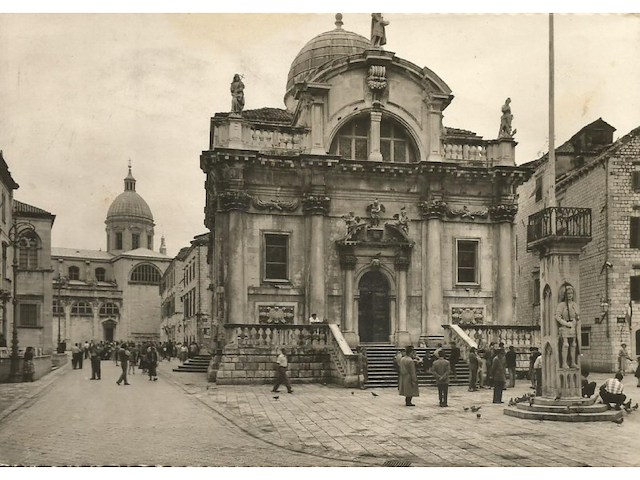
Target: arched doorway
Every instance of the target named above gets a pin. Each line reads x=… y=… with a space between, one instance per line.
x=373 y=307
x=109 y=327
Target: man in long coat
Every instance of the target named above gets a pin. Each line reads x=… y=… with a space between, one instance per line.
x=408 y=385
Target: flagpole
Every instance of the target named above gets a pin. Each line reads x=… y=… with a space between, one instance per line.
x=551 y=167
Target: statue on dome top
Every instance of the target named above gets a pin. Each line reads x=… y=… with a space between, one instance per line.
x=378 y=37
x=505 y=121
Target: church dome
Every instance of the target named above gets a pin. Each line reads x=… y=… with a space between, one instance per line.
x=129 y=203
x=324 y=48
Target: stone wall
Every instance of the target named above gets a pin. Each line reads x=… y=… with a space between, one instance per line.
x=256 y=365
x=42 y=366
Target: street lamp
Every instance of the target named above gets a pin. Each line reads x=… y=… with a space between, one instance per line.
x=15 y=234
x=60 y=280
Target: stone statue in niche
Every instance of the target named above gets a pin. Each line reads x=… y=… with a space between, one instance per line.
x=567 y=316
x=505 y=121
x=375 y=210
x=378 y=36
x=237 y=94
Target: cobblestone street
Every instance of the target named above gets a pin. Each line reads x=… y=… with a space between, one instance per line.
x=184 y=420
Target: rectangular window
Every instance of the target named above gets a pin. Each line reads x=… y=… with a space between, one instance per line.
x=28 y=315
x=135 y=241
x=635 y=181
x=276 y=254
x=362 y=149
x=150 y=242
x=385 y=150
x=118 y=240
x=467 y=261
x=345 y=147
x=635 y=232
x=585 y=338
x=399 y=151
x=635 y=288
x=538 y=189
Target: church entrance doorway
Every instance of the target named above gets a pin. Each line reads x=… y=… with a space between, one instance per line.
x=373 y=308
x=109 y=330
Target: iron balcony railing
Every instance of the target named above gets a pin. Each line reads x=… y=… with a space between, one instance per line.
x=563 y=222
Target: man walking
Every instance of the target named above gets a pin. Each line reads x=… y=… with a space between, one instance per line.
x=94 y=355
x=441 y=370
x=281 y=375
x=123 y=355
x=499 y=376
x=408 y=383
x=510 y=359
x=473 y=369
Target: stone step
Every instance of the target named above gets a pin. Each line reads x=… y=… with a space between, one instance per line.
x=596 y=416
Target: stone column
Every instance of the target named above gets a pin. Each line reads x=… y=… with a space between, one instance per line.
x=402 y=333
x=375 y=155
x=435 y=129
x=317 y=127
x=432 y=319
x=348 y=263
x=504 y=214
x=235 y=203
x=67 y=322
x=317 y=207
x=95 y=309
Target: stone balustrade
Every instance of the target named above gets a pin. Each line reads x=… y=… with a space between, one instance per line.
x=455 y=334
x=275 y=336
x=463 y=151
x=348 y=368
x=520 y=336
x=262 y=138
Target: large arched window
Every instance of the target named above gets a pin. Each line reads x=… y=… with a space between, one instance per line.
x=353 y=141
x=28 y=250
x=109 y=310
x=146 y=273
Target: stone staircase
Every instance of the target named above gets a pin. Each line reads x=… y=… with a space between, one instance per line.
x=199 y=364
x=569 y=410
x=381 y=371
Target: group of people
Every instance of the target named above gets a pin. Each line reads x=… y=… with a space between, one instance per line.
x=487 y=369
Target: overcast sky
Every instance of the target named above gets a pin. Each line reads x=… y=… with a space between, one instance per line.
x=82 y=94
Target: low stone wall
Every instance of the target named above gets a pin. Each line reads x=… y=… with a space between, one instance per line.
x=59 y=359
x=42 y=366
x=257 y=365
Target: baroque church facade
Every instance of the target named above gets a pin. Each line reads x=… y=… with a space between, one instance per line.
x=114 y=294
x=356 y=203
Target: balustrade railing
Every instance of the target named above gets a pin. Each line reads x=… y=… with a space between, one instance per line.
x=274 y=336
x=520 y=336
x=463 y=151
x=455 y=334
x=262 y=138
x=567 y=222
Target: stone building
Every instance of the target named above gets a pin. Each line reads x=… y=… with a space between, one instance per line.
x=592 y=171
x=114 y=294
x=186 y=295
x=356 y=203
x=7 y=186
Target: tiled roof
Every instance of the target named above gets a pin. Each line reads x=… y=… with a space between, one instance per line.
x=80 y=253
x=458 y=132
x=26 y=209
x=267 y=114
x=144 y=252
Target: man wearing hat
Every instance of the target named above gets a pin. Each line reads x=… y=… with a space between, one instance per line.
x=408 y=384
x=623 y=356
x=499 y=375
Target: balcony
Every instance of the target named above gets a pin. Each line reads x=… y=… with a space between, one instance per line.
x=559 y=224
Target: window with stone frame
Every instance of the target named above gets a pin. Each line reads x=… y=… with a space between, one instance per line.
x=538 y=190
x=353 y=141
x=82 y=309
x=150 y=242
x=635 y=181
x=58 y=308
x=135 y=241
x=101 y=274
x=118 y=241
x=109 y=310
x=29 y=315
x=276 y=257
x=28 y=245
x=467 y=262
x=147 y=274
x=536 y=288
x=634 y=288
x=585 y=338
x=634 y=237
x=74 y=273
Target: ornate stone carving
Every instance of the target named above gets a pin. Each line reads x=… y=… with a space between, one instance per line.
x=504 y=212
x=315 y=204
x=377 y=79
x=354 y=225
x=375 y=261
x=505 y=121
x=433 y=209
x=276 y=314
x=402 y=220
x=467 y=315
x=234 y=200
x=375 y=210
x=280 y=205
x=402 y=262
x=465 y=214
x=567 y=316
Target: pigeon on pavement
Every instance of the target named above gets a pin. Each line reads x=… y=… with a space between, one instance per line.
x=478 y=415
x=474 y=408
x=374 y=394
x=276 y=397
x=619 y=421
x=466 y=409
